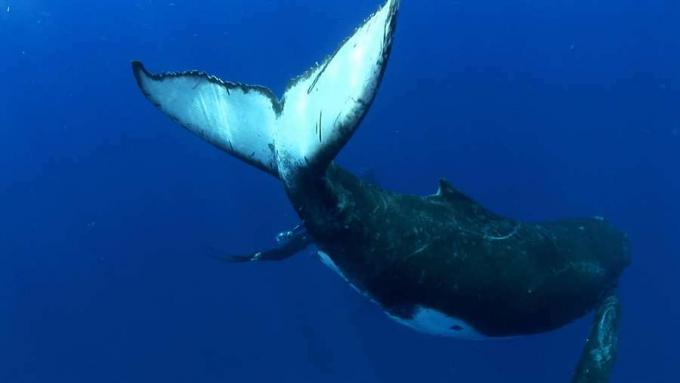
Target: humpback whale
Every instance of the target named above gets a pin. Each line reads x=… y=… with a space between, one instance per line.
x=442 y=264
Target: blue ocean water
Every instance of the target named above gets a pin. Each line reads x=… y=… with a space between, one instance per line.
x=108 y=211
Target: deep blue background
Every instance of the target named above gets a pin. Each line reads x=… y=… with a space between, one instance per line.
x=539 y=109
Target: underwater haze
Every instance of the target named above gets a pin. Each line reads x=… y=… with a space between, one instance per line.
x=111 y=214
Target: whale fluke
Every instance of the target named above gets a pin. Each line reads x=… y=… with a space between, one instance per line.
x=304 y=130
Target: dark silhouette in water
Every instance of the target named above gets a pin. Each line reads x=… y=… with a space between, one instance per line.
x=442 y=264
x=318 y=352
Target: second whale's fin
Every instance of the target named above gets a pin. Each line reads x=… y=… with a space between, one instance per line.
x=306 y=129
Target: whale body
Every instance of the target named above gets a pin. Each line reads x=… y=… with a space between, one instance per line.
x=441 y=264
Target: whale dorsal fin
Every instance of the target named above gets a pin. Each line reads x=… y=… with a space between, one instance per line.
x=450 y=194
x=459 y=200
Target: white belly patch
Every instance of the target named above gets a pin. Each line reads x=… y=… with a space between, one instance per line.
x=433 y=322
x=424 y=319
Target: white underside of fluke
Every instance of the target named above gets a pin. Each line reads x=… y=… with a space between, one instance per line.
x=324 y=107
x=315 y=118
x=238 y=119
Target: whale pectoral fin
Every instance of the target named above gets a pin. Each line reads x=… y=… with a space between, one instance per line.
x=599 y=354
x=295 y=241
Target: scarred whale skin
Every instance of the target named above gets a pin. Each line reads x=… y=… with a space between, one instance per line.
x=448 y=253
